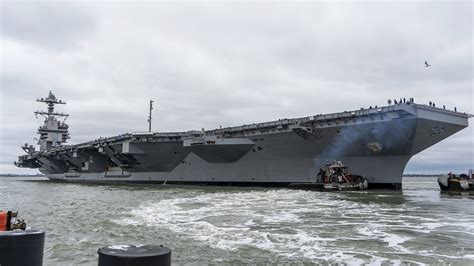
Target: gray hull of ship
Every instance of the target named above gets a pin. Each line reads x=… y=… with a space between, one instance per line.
x=387 y=170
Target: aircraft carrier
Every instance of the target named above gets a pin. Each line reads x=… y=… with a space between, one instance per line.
x=374 y=142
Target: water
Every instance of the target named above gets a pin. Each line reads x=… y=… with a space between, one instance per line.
x=215 y=225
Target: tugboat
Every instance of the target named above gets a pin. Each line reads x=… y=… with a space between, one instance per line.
x=336 y=177
x=452 y=183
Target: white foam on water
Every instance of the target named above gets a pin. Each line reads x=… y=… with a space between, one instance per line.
x=250 y=222
x=418 y=218
x=282 y=222
x=350 y=258
x=253 y=209
x=332 y=255
x=444 y=256
x=466 y=225
x=395 y=240
x=377 y=232
x=278 y=217
x=431 y=226
x=229 y=236
x=469 y=256
x=119 y=247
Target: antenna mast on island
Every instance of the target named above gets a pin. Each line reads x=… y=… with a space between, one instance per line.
x=149 y=117
x=53 y=133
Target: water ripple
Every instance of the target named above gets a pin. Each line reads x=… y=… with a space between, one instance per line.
x=213 y=225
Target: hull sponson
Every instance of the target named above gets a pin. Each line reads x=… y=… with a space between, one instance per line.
x=376 y=143
x=219 y=150
x=52 y=165
x=159 y=157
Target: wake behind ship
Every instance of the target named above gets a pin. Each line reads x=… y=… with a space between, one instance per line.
x=376 y=143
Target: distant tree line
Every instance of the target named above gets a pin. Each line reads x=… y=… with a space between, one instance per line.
x=422 y=175
x=16 y=175
x=39 y=174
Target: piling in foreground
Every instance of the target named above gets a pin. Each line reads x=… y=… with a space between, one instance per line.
x=146 y=255
x=22 y=247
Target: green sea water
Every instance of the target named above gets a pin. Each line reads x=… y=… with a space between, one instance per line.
x=234 y=225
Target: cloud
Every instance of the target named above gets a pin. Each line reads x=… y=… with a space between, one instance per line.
x=212 y=64
x=53 y=26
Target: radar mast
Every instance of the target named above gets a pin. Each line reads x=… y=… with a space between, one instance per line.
x=53 y=133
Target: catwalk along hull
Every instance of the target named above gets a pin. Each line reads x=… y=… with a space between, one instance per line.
x=376 y=143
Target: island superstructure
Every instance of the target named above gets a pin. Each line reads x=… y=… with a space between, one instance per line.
x=376 y=143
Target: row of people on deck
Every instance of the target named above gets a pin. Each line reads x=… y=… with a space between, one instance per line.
x=401 y=100
x=412 y=100
x=432 y=104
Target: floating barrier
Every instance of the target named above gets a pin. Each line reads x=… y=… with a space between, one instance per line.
x=131 y=255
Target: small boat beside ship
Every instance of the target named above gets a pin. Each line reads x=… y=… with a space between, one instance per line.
x=336 y=177
x=457 y=184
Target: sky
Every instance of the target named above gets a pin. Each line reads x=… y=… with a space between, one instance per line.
x=211 y=64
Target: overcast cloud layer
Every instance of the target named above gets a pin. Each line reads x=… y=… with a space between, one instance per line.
x=210 y=64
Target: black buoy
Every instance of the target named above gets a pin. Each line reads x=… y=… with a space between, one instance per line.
x=21 y=247
x=145 y=255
